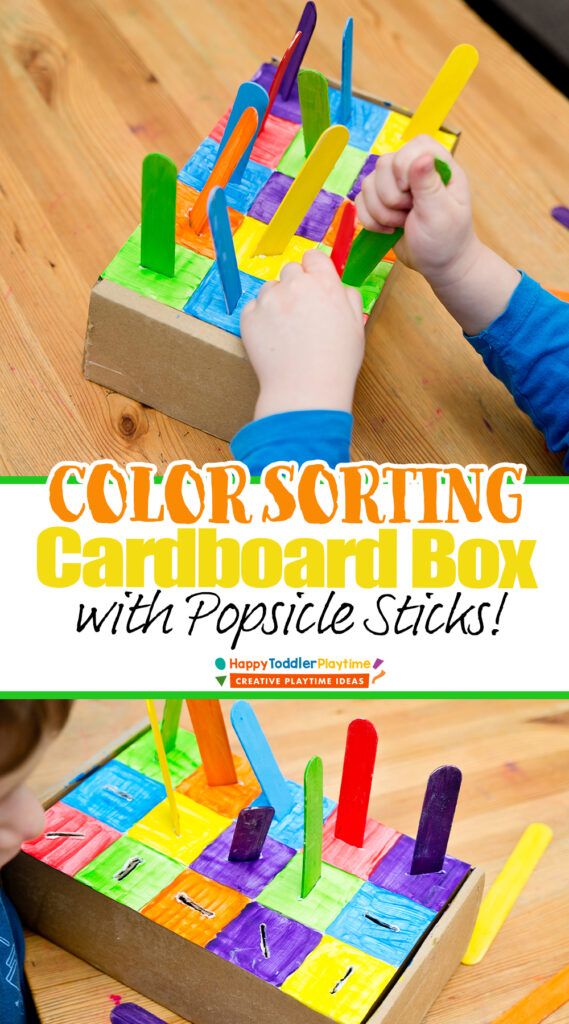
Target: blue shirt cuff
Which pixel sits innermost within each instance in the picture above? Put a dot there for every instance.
(323, 434)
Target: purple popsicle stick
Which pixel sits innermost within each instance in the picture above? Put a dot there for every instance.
(250, 833)
(561, 213)
(306, 25)
(436, 821)
(130, 1013)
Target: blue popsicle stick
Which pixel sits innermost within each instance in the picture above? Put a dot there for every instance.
(261, 758)
(345, 112)
(224, 248)
(249, 94)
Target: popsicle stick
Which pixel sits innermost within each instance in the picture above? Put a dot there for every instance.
(540, 1003)
(170, 722)
(442, 95)
(357, 775)
(314, 106)
(251, 830)
(313, 815)
(158, 214)
(249, 94)
(131, 1013)
(345, 113)
(504, 892)
(225, 165)
(306, 25)
(344, 237)
(277, 80)
(303, 191)
(164, 768)
(437, 816)
(370, 247)
(261, 758)
(224, 248)
(211, 736)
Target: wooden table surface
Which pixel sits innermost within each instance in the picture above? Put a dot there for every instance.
(88, 87)
(515, 760)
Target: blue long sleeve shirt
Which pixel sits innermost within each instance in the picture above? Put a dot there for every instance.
(526, 347)
(13, 988)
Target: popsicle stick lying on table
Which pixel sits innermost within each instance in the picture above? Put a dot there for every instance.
(277, 80)
(211, 736)
(164, 767)
(227, 161)
(130, 1013)
(306, 26)
(261, 758)
(502, 895)
(249, 94)
(303, 191)
(442, 95)
(158, 214)
(370, 247)
(313, 815)
(539, 1004)
(437, 816)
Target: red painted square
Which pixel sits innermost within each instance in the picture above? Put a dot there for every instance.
(70, 853)
(361, 861)
(270, 144)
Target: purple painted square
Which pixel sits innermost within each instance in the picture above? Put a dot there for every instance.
(367, 168)
(247, 876)
(265, 943)
(317, 220)
(287, 109)
(432, 890)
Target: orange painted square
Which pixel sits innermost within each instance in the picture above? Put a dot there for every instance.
(185, 234)
(226, 800)
(271, 144)
(223, 903)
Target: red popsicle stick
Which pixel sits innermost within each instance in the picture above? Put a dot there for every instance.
(344, 236)
(357, 775)
(285, 61)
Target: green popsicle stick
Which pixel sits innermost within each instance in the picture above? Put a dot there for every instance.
(370, 247)
(313, 814)
(314, 106)
(170, 722)
(158, 231)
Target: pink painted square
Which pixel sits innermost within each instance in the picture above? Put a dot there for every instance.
(70, 840)
(270, 144)
(359, 861)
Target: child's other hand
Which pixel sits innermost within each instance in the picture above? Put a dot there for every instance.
(304, 336)
(405, 190)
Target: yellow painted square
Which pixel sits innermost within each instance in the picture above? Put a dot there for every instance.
(322, 981)
(199, 826)
(389, 138)
(267, 268)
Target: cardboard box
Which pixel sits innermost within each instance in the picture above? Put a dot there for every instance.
(193, 982)
(167, 359)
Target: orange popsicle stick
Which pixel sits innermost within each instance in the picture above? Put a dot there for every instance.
(211, 735)
(344, 238)
(560, 294)
(285, 61)
(540, 1003)
(226, 163)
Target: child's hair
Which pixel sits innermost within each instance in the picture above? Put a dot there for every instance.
(23, 724)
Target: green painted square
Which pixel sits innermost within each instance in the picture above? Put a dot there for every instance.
(183, 760)
(190, 270)
(141, 884)
(321, 906)
(293, 159)
(343, 175)
(372, 287)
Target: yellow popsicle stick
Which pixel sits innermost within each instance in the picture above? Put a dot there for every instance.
(442, 95)
(540, 1003)
(504, 892)
(303, 191)
(163, 761)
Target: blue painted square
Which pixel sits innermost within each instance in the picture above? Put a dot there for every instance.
(384, 924)
(208, 301)
(366, 121)
(290, 829)
(117, 795)
(200, 165)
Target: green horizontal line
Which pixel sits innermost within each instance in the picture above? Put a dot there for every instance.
(257, 479)
(292, 695)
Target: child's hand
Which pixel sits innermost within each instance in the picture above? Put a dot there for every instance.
(405, 190)
(304, 336)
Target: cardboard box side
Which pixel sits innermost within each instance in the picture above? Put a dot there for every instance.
(161, 357)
